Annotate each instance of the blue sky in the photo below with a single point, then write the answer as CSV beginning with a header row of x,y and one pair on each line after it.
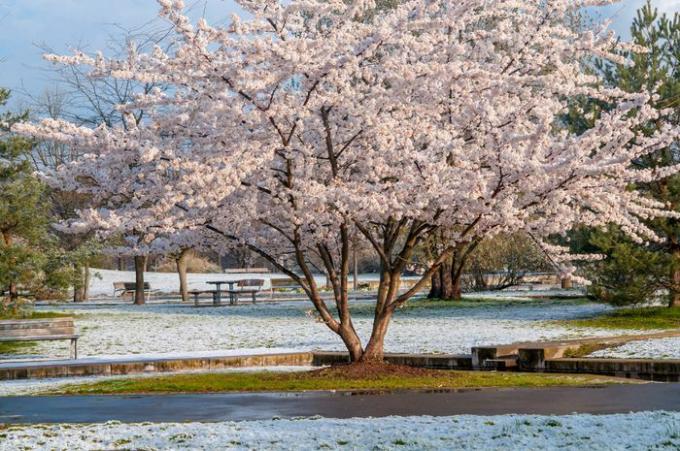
x,y
25,25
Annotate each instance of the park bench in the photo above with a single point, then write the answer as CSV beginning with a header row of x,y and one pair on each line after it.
x,y
124,288
197,293
246,286
21,294
40,330
283,283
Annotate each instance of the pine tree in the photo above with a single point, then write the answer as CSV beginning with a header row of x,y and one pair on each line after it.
x,y
26,258
633,272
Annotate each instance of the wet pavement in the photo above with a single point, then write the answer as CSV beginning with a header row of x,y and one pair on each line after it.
x,y
257,406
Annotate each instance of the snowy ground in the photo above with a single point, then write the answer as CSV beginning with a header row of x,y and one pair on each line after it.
x,y
662,348
635,431
101,281
128,329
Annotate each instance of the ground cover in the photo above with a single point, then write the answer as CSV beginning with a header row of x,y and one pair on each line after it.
x,y
632,431
342,377
34,314
640,318
422,326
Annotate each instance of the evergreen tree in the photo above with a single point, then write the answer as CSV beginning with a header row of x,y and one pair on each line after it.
x,y
28,259
634,272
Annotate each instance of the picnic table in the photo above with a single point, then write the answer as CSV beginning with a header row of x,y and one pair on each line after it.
x,y
217,300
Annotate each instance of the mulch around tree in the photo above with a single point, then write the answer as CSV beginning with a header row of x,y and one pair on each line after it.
x,y
372,371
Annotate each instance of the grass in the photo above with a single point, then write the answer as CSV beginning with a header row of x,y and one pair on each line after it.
x,y
585,350
640,318
34,315
16,347
308,381
422,304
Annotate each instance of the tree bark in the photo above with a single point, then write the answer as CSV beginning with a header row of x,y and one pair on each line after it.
x,y
446,282
80,290
355,266
140,265
86,283
674,292
12,288
435,286
457,291
181,262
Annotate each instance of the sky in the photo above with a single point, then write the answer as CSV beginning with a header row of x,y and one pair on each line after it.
x,y
27,26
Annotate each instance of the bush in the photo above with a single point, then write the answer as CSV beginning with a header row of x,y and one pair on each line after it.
x,y
195,264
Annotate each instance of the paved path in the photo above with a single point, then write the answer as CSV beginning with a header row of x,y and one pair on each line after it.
x,y
238,407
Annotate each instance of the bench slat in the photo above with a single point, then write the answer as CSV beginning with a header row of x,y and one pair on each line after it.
x,y
38,332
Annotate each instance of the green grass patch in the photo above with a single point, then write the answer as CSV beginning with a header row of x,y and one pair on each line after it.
x,y
17,347
420,304
308,381
585,350
640,318
35,315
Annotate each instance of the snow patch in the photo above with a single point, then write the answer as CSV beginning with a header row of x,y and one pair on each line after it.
x,y
634,431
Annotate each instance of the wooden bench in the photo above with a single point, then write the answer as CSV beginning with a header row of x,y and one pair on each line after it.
x,y
246,286
124,288
40,330
283,283
197,293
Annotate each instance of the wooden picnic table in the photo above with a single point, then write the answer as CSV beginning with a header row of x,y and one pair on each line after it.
x,y
218,290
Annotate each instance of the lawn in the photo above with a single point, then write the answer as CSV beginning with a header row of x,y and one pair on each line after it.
x,y
16,347
640,318
34,315
328,379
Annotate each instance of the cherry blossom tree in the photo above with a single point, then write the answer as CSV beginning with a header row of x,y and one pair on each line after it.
x,y
292,130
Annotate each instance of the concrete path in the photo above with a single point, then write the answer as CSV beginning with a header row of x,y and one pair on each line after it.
x,y
238,407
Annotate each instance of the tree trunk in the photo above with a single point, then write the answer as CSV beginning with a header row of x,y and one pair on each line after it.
x,y
86,283
435,286
140,265
355,268
384,309
13,289
181,262
375,349
457,291
80,289
446,283
353,344
674,295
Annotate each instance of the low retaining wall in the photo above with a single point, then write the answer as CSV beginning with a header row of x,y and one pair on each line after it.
x,y
434,361
93,367
646,369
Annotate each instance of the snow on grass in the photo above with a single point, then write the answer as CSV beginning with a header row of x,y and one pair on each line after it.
x,y
661,348
634,431
153,329
101,282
